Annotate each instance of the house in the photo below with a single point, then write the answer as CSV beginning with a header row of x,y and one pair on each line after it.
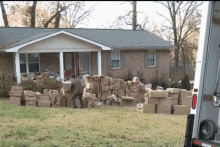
x,y
95,51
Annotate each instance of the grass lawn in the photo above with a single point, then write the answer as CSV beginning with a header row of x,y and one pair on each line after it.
x,y
108,127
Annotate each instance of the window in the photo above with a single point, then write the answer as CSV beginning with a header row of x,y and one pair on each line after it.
x,y
115,59
151,58
29,63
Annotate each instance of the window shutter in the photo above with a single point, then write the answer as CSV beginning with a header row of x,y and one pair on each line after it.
x,y
109,59
157,59
122,59
145,59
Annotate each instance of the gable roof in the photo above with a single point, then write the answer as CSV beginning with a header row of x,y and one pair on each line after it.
x,y
123,39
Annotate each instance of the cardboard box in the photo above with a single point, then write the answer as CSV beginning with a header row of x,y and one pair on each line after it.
x,y
105,80
68,95
146,99
116,104
136,80
174,102
89,86
57,100
183,93
30,103
121,92
165,102
174,96
155,101
16,88
70,103
133,94
128,102
43,103
186,101
67,86
149,108
15,93
180,109
127,98
158,93
15,101
190,93
142,88
43,97
127,92
53,96
46,92
53,91
63,102
173,90
164,109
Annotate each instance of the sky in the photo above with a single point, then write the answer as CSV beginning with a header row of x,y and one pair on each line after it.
x,y
106,11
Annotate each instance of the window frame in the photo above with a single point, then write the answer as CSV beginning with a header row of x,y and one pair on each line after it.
x,y
154,56
119,52
27,62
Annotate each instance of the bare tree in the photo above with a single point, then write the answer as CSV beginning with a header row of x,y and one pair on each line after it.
x,y
57,18
4,15
134,18
33,10
76,14
183,11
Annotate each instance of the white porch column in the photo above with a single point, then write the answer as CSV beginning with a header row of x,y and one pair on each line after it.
x,y
17,67
61,67
99,62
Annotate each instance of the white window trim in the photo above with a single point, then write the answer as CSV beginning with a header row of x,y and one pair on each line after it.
x,y
155,57
119,61
27,63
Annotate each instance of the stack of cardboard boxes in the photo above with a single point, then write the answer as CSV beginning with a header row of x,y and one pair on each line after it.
x,y
15,95
30,98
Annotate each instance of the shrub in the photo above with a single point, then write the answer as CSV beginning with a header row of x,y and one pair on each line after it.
x,y
49,83
30,85
175,85
155,80
129,76
185,84
6,81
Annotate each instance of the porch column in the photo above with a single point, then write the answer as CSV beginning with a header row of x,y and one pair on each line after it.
x,y
99,62
61,67
17,68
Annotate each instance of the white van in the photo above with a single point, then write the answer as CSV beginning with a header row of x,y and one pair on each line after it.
x,y
203,122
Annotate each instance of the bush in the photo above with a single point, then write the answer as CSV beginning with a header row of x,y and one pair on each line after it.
x,y
49,83
175,85
129,76
159,80
6,82
30,85
185,84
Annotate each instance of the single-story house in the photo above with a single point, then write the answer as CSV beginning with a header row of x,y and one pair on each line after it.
x,y
95,51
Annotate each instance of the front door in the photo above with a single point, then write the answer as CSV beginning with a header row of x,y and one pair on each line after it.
x,y
68,64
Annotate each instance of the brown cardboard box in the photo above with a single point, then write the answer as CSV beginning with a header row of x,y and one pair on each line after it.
x,y
190,93
180,109
53,96
146,99
158,93
16,88
30,103
121,92
164,109
43,103
57,100
173,90
15,101
70,103
186,101
68,94
183,93
16,93
116,104
155,101
53,91
127,92
128,102
174,102
105,80
43,97
149,108
133,94
30,98
46,92
174,96
136,80
63,103
52,102
165,102
66,86
89,86
30,95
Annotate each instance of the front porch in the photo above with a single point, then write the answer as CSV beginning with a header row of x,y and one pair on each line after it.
x,y
63,63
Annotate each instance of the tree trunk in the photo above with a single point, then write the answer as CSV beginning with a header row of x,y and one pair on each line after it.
x,y
4,15
134,19
33,10
57,18
184,61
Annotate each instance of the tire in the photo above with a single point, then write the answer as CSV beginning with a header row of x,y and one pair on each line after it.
x,y
207,130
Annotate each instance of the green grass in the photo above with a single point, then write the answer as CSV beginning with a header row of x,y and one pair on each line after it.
x,y
105,127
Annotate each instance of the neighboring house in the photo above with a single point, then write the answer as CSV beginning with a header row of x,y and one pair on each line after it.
x,y
96,51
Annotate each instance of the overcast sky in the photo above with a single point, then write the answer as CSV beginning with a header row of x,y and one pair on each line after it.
x,y
109,10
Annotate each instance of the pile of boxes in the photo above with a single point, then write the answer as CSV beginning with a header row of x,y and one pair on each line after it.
x,y
15,95
170,101
112,91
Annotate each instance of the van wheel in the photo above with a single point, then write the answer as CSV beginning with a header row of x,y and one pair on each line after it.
x,y
207,130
